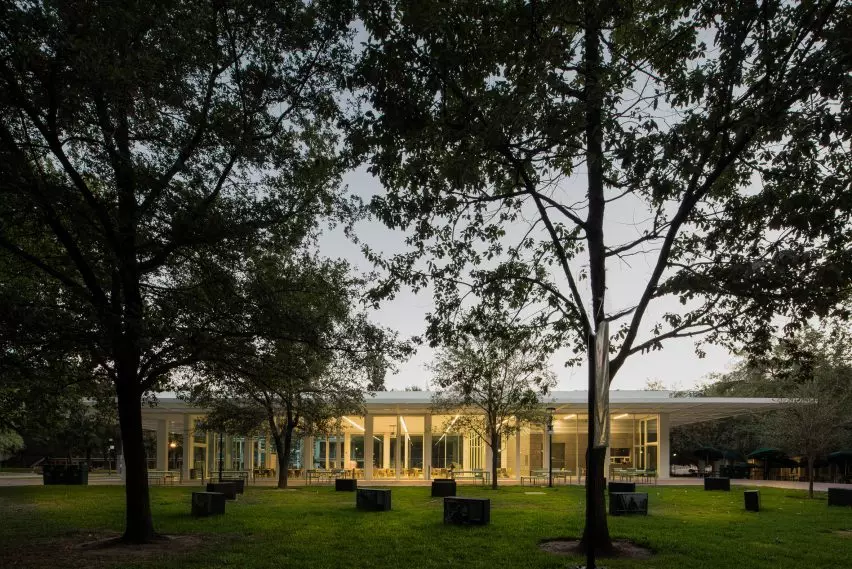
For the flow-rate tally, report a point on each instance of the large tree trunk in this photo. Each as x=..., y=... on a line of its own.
x=811, y=461
x=596, y=532
x=139, y=526
x=283, y=438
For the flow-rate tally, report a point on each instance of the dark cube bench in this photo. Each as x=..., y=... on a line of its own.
x=467, y=511
x=621, y=486
x=711, y=483
x=208, y=503
x=345, y=484
x=240, y=484
x=373, y=499
x=229, y=489
x=752, y=500
x=626, y=503
x=840, y=496
x=442, y=487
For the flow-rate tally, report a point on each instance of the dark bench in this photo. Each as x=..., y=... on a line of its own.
x=373, y=499
x=467, y=511
x=208, y=503
x=752, y=500
x=713, y=483
x=626, y=503
x=840, y=496
x=229, y=489
x=621, y=486
x=345, y=484
x=442, y=487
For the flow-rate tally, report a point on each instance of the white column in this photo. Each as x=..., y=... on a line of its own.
x=386, y=450
x=368, y=447
x=188, y=440
x=466, y=451
x=489, y=452
x=427, y=446
x=212, y=455
x=162, y=444
x=308, y=452
x=518, y=455
x=664, y=448
x=250, y=455
x=327, y=452
x=400, y=440
x=347, y=449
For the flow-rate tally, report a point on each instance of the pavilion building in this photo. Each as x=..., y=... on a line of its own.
x=399, y=437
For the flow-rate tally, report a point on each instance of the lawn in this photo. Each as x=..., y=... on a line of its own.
x=316, y=527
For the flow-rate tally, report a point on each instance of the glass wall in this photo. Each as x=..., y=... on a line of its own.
x=447, y=446
x=411, y=446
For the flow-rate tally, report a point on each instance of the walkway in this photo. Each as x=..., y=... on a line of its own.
x=99, y=480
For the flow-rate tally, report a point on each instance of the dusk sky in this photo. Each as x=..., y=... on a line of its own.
x=676, y=366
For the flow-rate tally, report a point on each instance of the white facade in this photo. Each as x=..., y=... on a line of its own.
x=398, y=437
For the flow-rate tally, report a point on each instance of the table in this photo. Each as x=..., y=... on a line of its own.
x=562, y=474
x=534, y=479
x=475, y=475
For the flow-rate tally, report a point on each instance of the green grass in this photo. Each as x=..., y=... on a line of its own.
x=317, y=528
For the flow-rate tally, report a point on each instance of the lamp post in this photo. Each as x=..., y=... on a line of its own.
x=550, y=411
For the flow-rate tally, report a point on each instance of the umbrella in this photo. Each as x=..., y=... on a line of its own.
x=733, y=455
x=840, y=456
x=767, y=453
x=843, y=457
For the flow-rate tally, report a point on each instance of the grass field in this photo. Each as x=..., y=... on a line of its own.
x=316, y=527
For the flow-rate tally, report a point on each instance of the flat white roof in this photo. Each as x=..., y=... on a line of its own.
x=681, y=410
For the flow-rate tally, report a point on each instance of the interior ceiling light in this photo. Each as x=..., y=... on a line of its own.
x=623, y=415
x=353, y=423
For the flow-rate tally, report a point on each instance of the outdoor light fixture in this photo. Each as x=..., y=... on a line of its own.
x=550, y=411
x=172, y=444
x=623, y=415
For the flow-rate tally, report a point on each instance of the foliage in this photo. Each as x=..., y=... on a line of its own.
x=811, y=423
x=512, y=139
x=301, y=356
x=144, y=147
x=10, y=443
x=812, y=366
x=494, y=382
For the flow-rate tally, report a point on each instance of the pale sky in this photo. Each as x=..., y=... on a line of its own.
x=676, y=365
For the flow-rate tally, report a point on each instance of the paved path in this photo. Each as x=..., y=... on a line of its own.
x=97, y=480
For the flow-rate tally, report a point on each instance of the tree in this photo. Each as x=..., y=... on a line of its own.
x=811, y=423
x=10, y=443
x=496, y=386
x=512, y=139
x=810, y=370
x=148, y=143
x=303, y=358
